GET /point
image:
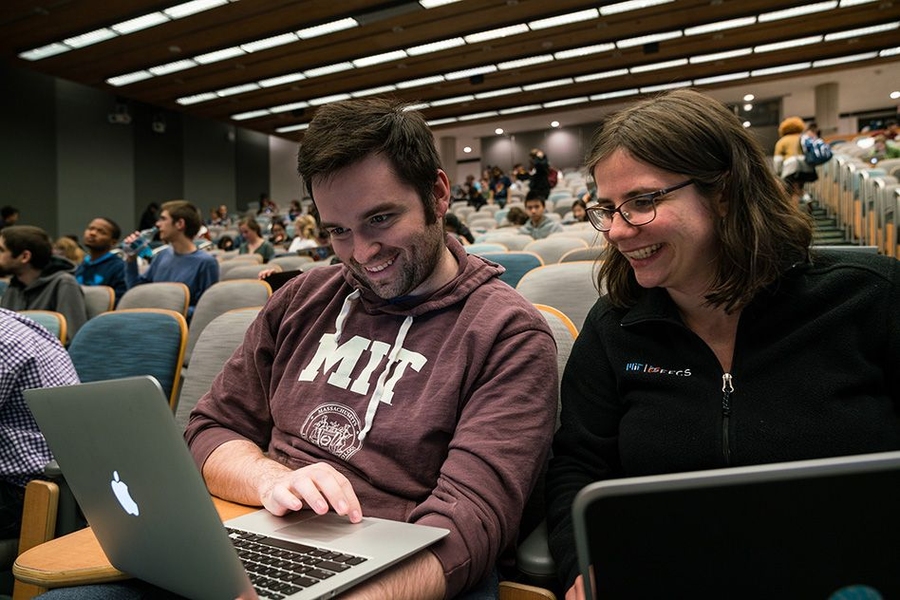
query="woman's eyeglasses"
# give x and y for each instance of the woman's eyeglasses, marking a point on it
(637, 210)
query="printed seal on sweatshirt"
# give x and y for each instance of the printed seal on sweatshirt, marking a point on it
(335, 428)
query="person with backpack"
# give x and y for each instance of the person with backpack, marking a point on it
(789, 157)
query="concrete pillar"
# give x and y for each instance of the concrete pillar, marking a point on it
(447, 152)
(827, 109)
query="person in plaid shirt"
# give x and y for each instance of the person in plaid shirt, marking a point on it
(30, 357)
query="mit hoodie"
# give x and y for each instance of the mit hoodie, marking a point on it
(439, 410)
(56, 289)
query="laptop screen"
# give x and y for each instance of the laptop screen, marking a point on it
(803, 537)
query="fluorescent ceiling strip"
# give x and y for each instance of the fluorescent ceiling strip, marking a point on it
(716, 56)
(494, 34)
(520, 109)
(789, 44)
(843, 35)
(253, 114)
(548, 84)
(427, 4)
(143, 22)
(583, 51)
(603, 75)
(797, 11)
(403, 85)
(651, 89)
(436, 46)
(288, 107)
(720, 26)
(567, 19)
(830, 62)
(722, 78)
(846, 3)
(470, 72)
(437, 122)
(281, 80)
(328, 69)
(373, 91)
(566, 102)
(496, 93)
(237, 89)
(889, 52)
(329, 99)
(781, 69)
(648, 39)
(196, 98)
(659, 66)
(327, 28)
(44, 51)
(482, 115)
(614, 95)
(525, 62)
(620, 7)
(291, 128)
(173, 67)
(376, 59)
(192, 8)
(412, 107)
(270, 42)
(129, 78)
(219, 55)
(92, 37)
(454, 100)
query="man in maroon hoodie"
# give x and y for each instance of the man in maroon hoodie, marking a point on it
(408, 382)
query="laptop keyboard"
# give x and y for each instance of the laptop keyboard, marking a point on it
(278, 568)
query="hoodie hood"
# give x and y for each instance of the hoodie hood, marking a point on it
(56, 265)
(472, 272)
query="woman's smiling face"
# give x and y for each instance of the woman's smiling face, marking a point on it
(678, 249)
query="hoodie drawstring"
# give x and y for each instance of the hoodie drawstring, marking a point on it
(380, 388)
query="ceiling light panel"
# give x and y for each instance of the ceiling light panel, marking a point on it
(670, 64)
(92, 37)
(720, 26)
(327, 28)
(567, 19)
(281, 80)
(283, 108)
(525, 62)
(129, 78)
(328, 69)
(722, 78)
(781, 69)
(142, 22)
(219, 55)
(520, 109)
(583, 51)
(368, 61)
(436, 46)
(620, 7)
(470, 72)
(270, 42)
(716, 56)
(494, 34)
(548, 84)
(603, 75)
(797, 11)
(329, 99)
(44, 51)
(614, 95)
(420, 82)
(854, 33)
(172, 67)
(648, 39)
(789, 44)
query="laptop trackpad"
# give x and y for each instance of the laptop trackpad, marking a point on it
(323, 528)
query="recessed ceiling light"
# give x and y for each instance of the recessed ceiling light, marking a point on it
(499, 131)
(467, 149)
(749, 98)
(554, 123)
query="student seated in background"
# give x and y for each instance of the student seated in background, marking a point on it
(102, 266)
(30, 357)
(539, 225)
(723, 340)
(178, 224)
(417, 352)
(40, 280)
(254, 242)
(458, 229)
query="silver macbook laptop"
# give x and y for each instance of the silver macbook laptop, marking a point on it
(133, 476)
(822, 529)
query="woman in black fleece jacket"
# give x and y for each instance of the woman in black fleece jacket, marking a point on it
(722, 340)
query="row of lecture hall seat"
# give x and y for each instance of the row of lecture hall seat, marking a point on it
(861, 199)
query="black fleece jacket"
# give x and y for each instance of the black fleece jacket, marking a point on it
(816, 373)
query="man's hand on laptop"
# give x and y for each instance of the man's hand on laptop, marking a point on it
(316, 486)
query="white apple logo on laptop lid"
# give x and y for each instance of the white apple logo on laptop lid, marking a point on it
(120, 489)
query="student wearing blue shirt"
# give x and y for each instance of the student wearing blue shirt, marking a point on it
(102, 267)
(178, 224)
